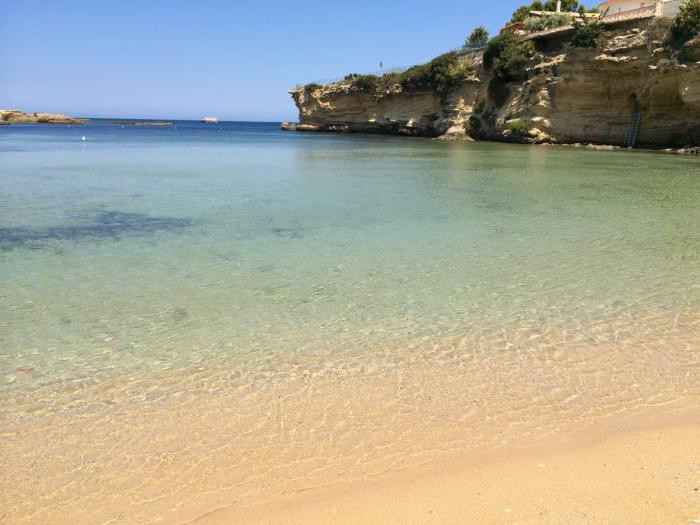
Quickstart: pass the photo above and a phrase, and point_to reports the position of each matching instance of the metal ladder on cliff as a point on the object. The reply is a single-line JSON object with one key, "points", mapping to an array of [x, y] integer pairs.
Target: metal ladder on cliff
{"points": [[633, 130]]}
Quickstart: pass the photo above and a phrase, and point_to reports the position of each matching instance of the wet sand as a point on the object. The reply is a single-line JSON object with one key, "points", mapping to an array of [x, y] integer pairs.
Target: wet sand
{"points": [[391, 435], [636, 477]]}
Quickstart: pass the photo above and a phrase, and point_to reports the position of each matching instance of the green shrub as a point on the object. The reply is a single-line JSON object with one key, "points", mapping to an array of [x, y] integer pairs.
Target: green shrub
{"points": [[566, 5], [582, 10], [520, 14], [523, 12], [518, 128], [391, 79], [507, 57], [441, 74], [478, 38], [587, 32], [365, 82], [415, 77], [686, 25], [541, 23], [312, 86], [496, 47]]}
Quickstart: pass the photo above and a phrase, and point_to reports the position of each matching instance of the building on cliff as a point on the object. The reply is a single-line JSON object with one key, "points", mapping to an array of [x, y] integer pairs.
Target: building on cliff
{"points": [[614, 14], [660, 8]]}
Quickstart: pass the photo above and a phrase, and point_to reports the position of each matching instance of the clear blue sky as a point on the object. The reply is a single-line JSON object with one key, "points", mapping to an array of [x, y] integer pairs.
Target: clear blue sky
{"points": [[235, 59]]}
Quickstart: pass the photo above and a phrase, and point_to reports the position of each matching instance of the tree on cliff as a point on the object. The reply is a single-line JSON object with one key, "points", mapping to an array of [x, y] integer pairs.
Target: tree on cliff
{"points": [[478, 38], [686, 25], [522, 12], [507, 57], [587, 32], [566, 5]]}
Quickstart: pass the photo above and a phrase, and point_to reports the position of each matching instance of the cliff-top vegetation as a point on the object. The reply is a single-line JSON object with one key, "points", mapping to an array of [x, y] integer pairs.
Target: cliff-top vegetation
{"points": [[440, 75], [507, 56], [570, 6], [478, 38], [686, 25]]}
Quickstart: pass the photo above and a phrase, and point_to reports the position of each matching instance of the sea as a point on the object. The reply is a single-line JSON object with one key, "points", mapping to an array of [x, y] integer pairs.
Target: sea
{"points": [[222, 310]]}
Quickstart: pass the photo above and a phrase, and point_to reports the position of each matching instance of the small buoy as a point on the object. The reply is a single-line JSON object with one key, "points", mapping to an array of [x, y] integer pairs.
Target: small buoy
{"points": [[83, 138]]}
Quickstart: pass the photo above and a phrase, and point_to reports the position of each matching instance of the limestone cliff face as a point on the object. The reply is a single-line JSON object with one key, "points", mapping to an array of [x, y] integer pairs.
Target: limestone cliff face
{"points": [[339, 108], [572, 95], [15, 116], [586, 96], [422, 112]]}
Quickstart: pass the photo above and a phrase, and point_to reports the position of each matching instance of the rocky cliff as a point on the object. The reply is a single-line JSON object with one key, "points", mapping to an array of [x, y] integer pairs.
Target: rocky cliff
{"points": [[15, 116], [570, 95]]}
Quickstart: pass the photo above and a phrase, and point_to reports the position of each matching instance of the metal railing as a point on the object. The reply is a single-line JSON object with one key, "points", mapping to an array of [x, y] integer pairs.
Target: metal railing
{"points": [[463, 51], [633, 14]]}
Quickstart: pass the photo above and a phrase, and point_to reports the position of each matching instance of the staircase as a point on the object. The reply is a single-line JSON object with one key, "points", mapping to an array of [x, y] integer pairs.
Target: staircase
{"points": [[633, 130]]}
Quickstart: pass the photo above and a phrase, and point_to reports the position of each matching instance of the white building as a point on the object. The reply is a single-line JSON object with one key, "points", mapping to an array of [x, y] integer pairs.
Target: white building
{"points": [[662, 7]]}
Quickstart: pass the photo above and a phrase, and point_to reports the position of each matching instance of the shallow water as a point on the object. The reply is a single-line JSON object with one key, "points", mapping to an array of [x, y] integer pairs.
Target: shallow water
{"points": [[147, 265]]}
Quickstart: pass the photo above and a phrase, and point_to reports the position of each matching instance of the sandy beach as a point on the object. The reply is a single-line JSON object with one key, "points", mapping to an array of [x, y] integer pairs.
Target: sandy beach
{"points": [[636, 477], [356, 442]]}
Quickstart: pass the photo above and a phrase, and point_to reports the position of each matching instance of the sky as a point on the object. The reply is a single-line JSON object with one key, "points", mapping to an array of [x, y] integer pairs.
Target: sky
{"points": [[234, 59]]}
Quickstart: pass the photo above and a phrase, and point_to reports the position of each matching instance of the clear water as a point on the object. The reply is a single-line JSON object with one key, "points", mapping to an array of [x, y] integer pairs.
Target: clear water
{"points": [[153, 248], [239, 254]]}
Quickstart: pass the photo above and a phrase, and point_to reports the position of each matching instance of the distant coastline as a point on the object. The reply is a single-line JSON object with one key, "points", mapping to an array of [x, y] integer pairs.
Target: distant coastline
{"points": [[141, 123], [15, 116]]}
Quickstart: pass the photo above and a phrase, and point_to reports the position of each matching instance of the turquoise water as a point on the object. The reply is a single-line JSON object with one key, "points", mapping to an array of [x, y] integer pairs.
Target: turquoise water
{"points": [[200, 316], [144, 251]]}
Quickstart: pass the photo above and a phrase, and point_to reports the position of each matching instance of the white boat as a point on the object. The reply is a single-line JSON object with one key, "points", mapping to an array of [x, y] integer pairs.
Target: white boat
{"points": [[210, 120]]}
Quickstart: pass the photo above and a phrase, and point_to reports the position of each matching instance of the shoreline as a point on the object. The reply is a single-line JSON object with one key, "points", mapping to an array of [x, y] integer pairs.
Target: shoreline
{"points": [[633, 475], [311, 128], [187, 447]]}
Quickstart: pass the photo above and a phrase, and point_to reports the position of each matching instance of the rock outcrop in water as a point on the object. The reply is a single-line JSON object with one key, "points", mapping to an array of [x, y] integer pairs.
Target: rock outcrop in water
{"points": [[15, 116], [145, 123], [570, 95]]}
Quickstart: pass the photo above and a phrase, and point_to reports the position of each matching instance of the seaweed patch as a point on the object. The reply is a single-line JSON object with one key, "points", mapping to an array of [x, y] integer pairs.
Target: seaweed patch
{"points": [[289, 232], [104, 225]]}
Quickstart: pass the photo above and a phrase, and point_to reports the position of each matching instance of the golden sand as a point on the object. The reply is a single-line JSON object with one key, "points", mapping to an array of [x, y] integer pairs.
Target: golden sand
{"points": [[641, 477], [448, 430]]}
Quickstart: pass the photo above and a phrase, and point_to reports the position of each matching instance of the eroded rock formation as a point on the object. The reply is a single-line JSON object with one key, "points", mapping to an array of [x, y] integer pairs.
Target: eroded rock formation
{"points": [[571, 95], [15, 116]]}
